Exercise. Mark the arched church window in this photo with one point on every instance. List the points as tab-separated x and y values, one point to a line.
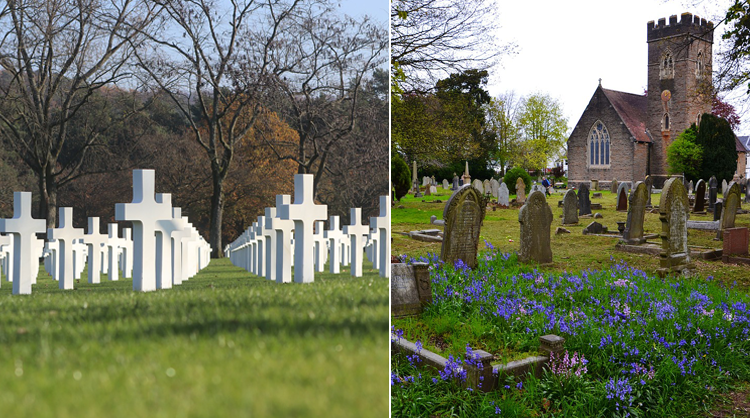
665	122
699	65
666	66
599	146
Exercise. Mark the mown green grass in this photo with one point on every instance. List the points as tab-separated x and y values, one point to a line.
570	252
225	343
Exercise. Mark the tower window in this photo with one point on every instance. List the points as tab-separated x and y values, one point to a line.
599	146
699	66
665	122
666	65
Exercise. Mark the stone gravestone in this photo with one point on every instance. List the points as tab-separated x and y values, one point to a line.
594	184
24	229
304	212
712	185
538	188
724	187
65	234
729	211
584	202
463	215
570	208
535	218
454	185
673	213
414	181
381	225
520	190
446	186
427	190
494	187
356	232
649	187
690	187
503	196
411	289
613	187
633	233
478	185
144	212
622	197
700	196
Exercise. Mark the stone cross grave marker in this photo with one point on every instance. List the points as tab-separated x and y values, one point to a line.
729	212
270	235
113	243
283	229
126	264
712	185
463	215
6	250
411	289
520	190
503	196
334	236
584	202
260	246
304	212
535	218
164	228
174	230
673	213
356	231
24	229
95	242
633	233
700	196
65	234
319	246
622	197
570	208
80	251
144	212
381	224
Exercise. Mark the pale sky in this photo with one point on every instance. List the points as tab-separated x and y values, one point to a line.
564	47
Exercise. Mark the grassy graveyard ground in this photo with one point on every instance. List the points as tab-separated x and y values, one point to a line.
224	343
453	323
571	252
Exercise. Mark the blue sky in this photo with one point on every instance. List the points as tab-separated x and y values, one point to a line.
378	10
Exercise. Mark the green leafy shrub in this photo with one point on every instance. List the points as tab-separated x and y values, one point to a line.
400	176
512	176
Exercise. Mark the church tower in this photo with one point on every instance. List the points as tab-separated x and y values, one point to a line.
679	81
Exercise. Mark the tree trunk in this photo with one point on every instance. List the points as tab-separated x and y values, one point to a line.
47	197
217	210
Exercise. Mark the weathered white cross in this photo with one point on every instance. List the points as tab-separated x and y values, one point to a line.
65	234
24	229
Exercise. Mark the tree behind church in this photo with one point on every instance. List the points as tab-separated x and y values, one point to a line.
716	138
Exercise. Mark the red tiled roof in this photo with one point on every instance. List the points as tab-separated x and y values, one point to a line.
632	111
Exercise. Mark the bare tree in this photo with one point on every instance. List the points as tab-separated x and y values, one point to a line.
324	59
55	55
433	38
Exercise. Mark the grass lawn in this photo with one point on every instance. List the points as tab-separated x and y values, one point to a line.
225	343
571	252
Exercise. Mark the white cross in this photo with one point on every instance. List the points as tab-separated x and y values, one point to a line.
114	245
80	250
334	236
174	231
95	242
49	253
304	212
319	244
261	248
164	253
6	249
65	234
144	211
283	229
356	230
126	264
24	229
382	224
269	236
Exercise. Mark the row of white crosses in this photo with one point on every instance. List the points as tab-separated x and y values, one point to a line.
268	246
165	250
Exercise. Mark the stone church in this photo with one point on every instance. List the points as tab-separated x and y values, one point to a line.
625	136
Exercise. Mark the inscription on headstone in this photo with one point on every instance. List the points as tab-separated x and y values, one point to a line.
410	288
535	218
463	215
673	212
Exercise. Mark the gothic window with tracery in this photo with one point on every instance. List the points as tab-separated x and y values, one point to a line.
666	66
599	146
